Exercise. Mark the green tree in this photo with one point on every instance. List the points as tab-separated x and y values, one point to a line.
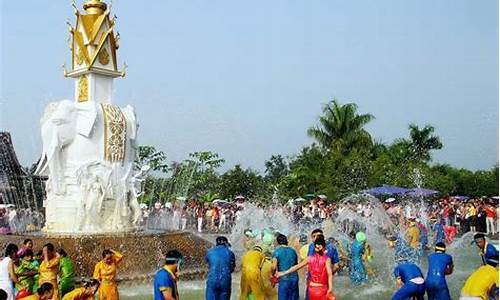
238	181
347	174
148	155
209	197
276	168
422	141
307	171
206	160
203	175
341	128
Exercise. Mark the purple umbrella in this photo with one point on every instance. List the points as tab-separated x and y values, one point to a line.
461	198
387	189
421	192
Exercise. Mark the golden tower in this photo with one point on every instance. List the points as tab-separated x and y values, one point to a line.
93	52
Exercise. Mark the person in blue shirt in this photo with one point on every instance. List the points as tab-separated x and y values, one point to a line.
439	236
409	281
165	280
402	251
285	257
331	250
486	250
358	273
221	263
440	264
424	240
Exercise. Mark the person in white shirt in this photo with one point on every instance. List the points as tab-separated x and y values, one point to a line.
7	275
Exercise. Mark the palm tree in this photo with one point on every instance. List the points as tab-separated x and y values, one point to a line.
422	141
341	127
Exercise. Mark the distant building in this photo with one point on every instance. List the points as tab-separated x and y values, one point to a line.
11	172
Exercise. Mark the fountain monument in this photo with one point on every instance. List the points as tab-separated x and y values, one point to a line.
89	143
89	147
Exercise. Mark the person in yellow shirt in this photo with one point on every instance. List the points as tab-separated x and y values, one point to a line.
483	282
83	293
267	271
49	269
472	217
304	247
251	278
44	292
105	272
412	235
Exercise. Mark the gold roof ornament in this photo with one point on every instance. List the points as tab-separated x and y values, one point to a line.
94	42
94	7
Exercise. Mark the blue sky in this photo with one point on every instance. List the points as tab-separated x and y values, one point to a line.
247	78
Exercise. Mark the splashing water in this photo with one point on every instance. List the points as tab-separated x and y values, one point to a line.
375	222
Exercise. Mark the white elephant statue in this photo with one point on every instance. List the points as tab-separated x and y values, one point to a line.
78	135
60	123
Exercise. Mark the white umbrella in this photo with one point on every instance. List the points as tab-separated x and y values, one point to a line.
322	197
389	200
299	200
219	201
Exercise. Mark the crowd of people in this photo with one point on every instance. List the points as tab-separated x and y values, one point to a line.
419	231
458	216
13	220
50	274
464	215
195	216
270	266
270	269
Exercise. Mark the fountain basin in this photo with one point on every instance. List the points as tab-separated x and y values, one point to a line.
144	252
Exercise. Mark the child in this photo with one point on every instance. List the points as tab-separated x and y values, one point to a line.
26	272
27	244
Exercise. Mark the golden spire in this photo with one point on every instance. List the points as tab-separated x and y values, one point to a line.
94	43
94	7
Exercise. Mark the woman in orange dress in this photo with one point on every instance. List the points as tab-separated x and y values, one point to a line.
44	292
49	269
86	292
105	272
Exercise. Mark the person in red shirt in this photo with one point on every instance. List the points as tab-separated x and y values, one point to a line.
446	214
450	232
319	266
490	220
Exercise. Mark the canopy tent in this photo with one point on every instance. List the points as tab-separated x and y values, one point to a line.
387	190
421	192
